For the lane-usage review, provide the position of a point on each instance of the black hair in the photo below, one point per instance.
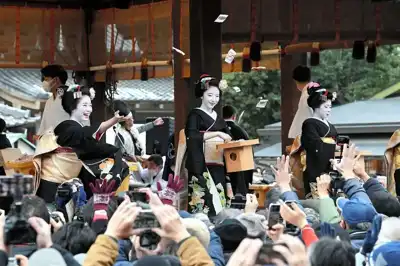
(55, 71)
(228, 111)
(76, 237)
(318, 96)
(302, 74)
(122, 107)
(204, 83)
(385, 203)
(32, 206)
(69, 102)
(157, 159)
(328, 251)
(3, 125)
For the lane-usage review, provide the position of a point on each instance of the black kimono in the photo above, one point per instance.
(319, 141)
(207, 180)
(84, 140)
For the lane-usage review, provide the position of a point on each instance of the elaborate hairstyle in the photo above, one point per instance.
(72, 96)
(54, 71)
(301, 74)
(318, 95)
(205, 82)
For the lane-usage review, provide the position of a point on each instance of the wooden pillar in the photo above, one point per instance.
(290, 95)
(205, 43)
(180, 87)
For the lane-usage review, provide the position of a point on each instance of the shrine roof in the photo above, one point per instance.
(370, 116)
(156, 89)
(16, 117)
(26, 84)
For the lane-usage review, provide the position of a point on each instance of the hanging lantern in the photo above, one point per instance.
(371, 52)
(314, 58)
(246, 61)
(358, 50)
(144, 71)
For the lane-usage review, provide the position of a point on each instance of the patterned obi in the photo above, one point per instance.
(396, 157)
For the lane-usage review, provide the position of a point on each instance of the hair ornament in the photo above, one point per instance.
(223, 85)
(312, 84)
(92, 93)
(76, 90)
(60, 92)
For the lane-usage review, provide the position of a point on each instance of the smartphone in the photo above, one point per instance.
(137, 196)
(341, 141)
(146, 220)
(290, 227)
(134, 196)
(274, 215)
(267, 254)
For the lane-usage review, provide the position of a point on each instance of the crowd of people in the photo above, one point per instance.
(88, 207)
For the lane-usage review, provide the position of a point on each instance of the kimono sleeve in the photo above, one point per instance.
(310, 139)
(69, 134)
(192, 129)
(93, 131)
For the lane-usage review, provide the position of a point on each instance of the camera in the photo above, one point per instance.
(17, 230)
(148, 239)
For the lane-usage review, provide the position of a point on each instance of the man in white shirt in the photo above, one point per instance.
(152, 174)
(302, 76)
(54, 78)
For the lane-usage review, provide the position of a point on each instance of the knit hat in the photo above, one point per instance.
(390, 230)
(47, 256)
(231, 232)
(386, 255)
(355, 211)
(80, 258)
(198, 229)
(254, 224)
(158, 260)
(312, 216)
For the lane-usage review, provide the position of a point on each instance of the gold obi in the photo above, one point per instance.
(396, 157)
(303, 153)
(211, 154)
(303, 160)
(328, 140)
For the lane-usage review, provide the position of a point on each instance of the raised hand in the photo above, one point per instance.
(158, 122)
(102, 193)
(346, 165)
(281, 172)
(169, 194)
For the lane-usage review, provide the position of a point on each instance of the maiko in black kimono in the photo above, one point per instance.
(205, 164)
(99, 158)
(318, 138)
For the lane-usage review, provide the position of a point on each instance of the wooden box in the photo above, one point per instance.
(238, 155)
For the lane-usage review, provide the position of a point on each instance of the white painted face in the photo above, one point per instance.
(324, 111)
(83, 110)
(211, 97)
